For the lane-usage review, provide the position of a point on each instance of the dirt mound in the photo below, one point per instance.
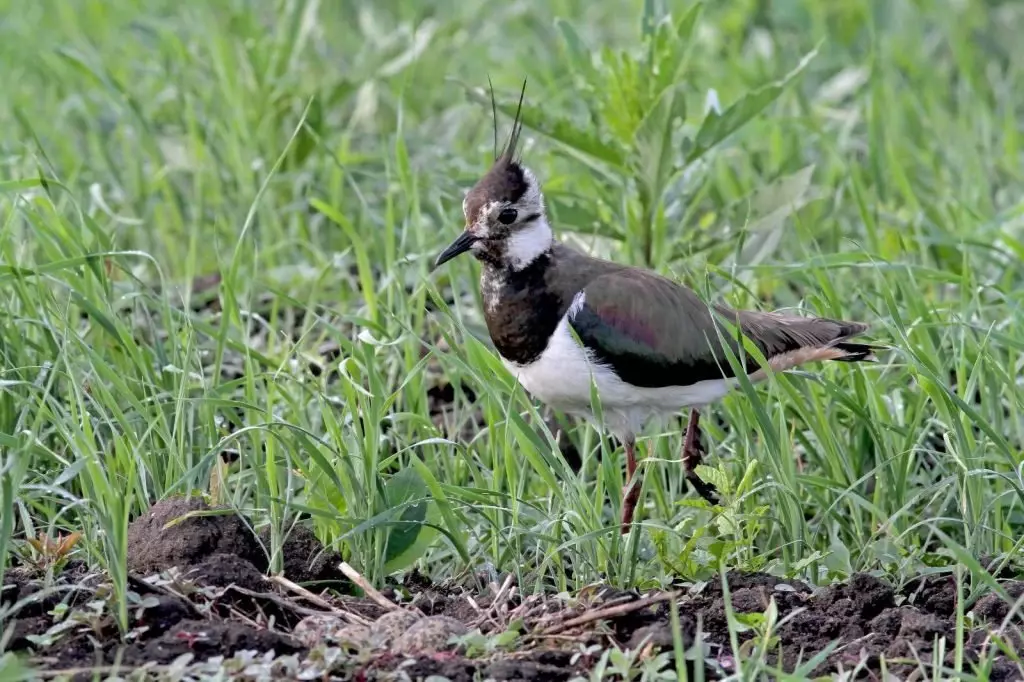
(450, 631)
(994, 610)
(181, 533)
(219, 602)
(224, 570)
(306, 561)
(203, 639)
(188, 533)
(866, 615)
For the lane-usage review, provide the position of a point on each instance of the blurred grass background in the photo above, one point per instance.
(217, 220)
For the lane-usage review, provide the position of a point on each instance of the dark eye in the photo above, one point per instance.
(507, 216)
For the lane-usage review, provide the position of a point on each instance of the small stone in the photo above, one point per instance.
(749, 600)
(388, 627)
(429, 635)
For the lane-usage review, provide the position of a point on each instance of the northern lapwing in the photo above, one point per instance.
(561, 319)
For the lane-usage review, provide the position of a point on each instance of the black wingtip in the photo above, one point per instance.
(858, 352)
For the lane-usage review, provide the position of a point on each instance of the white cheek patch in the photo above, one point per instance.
(526, 244)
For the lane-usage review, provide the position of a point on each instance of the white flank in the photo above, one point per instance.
(561, 378)
(576, 306)
(527, 243)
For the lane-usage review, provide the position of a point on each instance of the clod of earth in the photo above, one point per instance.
(993, 609)
(223, 569)
(307, 561)
(204, 639)
(351, 637)
(161, 538)
(218, 546)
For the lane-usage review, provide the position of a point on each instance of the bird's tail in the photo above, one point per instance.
(856, 352)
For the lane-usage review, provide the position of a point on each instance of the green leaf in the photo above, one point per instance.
(532, 453)
(576, 49)
(20, 185)
(352, 232)
(452, 524)
(773, 203)
(716, 127)
(653, 11)
(577, 214)
(506, 639)
(652, 142)
(978, 572)
(97, 316)
(687, 22)
(751, 619)
(13, 669)
(670, 48)
(410, 537)
(838, 559)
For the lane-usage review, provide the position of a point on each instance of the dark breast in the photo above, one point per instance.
(520, 311)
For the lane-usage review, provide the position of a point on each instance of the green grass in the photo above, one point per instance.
(316, 154)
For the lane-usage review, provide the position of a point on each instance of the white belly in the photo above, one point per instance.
(562, 375)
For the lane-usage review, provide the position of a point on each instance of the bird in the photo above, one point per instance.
(563, 321)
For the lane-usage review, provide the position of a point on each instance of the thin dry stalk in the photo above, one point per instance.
(607, 612)
(317, 599)
(364, 584)
(280, 601)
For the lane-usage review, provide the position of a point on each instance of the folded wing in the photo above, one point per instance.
(654, 332)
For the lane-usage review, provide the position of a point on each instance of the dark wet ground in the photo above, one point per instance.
(220, 603)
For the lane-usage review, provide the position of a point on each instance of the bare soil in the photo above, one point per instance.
(201, 592)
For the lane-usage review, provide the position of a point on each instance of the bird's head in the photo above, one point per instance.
(506, 225)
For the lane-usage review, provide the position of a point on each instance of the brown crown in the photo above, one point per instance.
(505, 181)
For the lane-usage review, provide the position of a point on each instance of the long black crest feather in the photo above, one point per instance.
(494, 115)
(508, 154)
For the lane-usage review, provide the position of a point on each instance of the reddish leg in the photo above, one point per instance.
(631, 491)
(692, 454)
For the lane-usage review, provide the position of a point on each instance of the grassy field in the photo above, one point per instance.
(216, 229)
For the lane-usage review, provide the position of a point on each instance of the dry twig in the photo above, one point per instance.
(301, 591)
(317, 599)
(280, 601)
(607, 612)
(558, 616)
(502, 592)
(364, 584)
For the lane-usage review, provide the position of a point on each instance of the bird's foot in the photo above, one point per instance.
(693, 454)
(706, 490)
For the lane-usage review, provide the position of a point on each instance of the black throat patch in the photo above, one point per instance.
(521, 311)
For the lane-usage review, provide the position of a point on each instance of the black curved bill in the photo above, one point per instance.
(461, 244)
